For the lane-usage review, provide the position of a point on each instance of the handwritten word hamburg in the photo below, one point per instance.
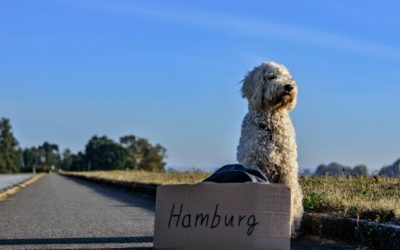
(189, 220)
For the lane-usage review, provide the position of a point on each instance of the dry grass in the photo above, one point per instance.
(147, 177)
(374, 198)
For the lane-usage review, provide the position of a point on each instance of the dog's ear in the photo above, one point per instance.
(252, 88)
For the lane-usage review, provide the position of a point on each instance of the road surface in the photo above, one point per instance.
(63, 213)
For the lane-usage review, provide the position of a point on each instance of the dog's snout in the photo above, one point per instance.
(288, 87)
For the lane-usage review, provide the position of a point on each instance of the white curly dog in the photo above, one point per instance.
(267, 140)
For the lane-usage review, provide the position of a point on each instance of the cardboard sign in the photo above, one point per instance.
(222, 216)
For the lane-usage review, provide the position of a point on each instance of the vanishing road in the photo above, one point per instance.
(57, 212)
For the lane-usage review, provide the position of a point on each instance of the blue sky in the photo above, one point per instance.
(170, 71)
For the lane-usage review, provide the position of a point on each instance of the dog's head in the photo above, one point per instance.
(270, 86)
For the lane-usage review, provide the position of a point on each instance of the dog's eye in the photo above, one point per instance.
(271, 77)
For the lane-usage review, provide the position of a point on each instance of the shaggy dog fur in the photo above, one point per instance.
(268, 139)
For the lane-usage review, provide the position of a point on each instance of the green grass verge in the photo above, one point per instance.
(375, 198)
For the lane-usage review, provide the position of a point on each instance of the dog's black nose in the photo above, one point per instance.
(288, 87)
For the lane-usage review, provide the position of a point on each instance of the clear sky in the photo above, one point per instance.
(170, 71)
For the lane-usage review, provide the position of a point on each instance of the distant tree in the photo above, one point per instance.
(306, 172)
(360, 170)
(3, 168)
(79, 162)
(334, 169)
(50, 155)
(143, 155)
(31, 159)
(337, 170)
(153, 159)
(134, 153)
(391, 170)
(102, 153)
(66, 159)
(10, 155)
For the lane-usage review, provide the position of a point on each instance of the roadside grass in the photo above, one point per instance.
(374, 198)
(145, 177)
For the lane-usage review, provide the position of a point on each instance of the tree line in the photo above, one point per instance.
(337, 170)
(100, 153)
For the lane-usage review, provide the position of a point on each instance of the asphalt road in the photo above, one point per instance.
(64, 213)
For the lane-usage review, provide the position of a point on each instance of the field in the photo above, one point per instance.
(375, 198)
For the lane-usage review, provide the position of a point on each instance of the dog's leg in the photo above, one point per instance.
(291, 179)
(297, 208)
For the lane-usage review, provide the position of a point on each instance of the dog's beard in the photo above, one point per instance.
(284, 100)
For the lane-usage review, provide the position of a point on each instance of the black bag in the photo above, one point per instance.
(236, 173)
